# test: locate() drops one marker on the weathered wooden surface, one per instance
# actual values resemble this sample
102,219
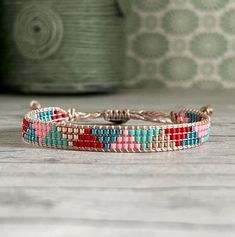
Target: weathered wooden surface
45,192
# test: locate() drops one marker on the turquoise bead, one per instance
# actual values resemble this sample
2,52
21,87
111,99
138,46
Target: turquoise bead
106,131
100,131
143,145
137,132
144,132
113,131
107,146
131,132
100,139
150,132
144,139
53,128
65,143
58,135
138,139
149,138
106,139
113,139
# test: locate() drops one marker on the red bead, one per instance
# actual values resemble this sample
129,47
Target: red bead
182,136
81,137
64,115
26,123
99,145
87,137
172,130
81,144
182,130
93,144
177,137
177,130
167,131
93,138
172,137
87,131
177,143
187,129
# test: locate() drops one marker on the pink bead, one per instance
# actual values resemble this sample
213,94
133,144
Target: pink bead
44,134
40,139
119,139
137,146
131,146
131,139
119,146
202,140
125,139
113,146
125,132
125,146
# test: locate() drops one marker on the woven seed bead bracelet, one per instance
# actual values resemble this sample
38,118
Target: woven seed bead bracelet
56,128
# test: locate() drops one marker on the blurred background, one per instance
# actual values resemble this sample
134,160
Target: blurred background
90,46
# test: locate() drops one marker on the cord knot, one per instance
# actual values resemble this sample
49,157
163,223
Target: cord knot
117,116
72,114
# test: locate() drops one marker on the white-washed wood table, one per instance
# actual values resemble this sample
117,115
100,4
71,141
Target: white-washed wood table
46,192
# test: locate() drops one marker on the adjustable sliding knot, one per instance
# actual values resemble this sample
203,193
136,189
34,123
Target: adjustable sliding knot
117,116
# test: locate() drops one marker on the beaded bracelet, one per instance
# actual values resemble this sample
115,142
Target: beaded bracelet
56,128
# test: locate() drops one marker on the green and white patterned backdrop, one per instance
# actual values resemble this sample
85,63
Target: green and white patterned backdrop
181,43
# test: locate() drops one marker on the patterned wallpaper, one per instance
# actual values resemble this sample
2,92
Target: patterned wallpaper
181,43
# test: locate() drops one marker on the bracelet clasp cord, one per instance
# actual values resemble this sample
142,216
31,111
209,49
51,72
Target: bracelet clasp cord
122,116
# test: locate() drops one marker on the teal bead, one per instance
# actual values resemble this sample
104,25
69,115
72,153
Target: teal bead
144,132
54,129
94,131
131,132
100,139
65,143
106,139
49,135
59,142
150,132
45,140
107,146
144,139
58,135
143,145
54,142
100,131
138,139
113,139
149,138
54,135
119,131
113,131
106,131
137,132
